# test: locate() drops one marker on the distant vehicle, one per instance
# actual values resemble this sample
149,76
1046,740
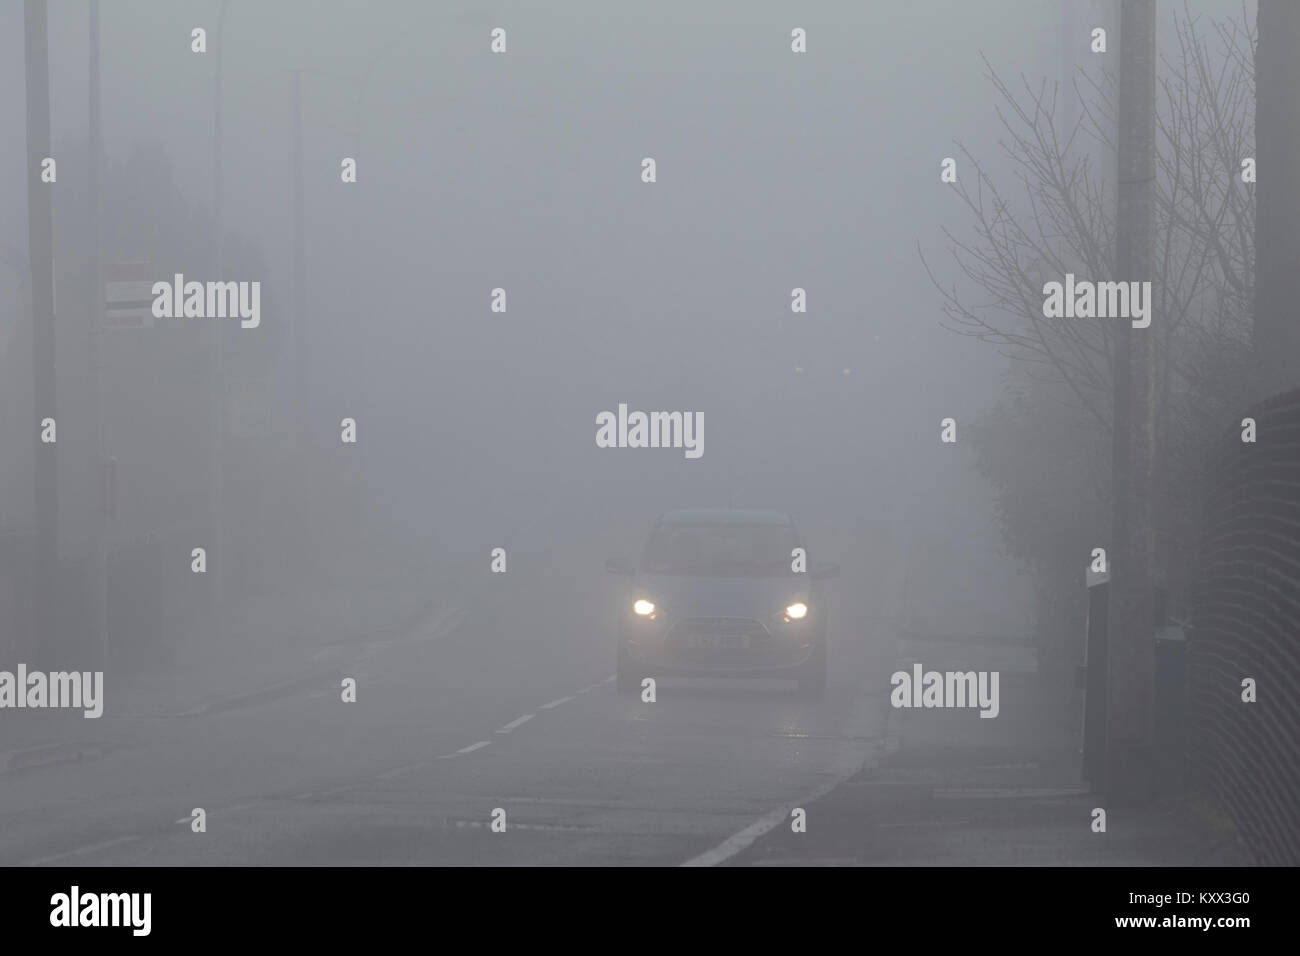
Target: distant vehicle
716,594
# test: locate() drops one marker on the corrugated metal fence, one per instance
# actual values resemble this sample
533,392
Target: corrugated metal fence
1246,624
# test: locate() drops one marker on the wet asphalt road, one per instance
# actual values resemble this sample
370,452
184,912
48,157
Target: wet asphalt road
513,708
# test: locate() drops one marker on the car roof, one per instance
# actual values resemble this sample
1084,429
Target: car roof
724,516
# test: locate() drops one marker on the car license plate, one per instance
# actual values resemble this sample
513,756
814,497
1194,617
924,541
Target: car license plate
718,642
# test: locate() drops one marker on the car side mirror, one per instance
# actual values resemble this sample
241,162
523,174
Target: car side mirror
825,572
619,566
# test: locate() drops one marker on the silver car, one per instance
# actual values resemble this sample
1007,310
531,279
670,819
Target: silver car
723,593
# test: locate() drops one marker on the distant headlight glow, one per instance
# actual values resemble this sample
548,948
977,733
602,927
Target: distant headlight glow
796,612
642,607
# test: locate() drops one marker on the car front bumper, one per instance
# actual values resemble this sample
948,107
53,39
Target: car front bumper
770,652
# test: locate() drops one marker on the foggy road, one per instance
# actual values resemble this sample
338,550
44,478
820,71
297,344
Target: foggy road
388,389
498,712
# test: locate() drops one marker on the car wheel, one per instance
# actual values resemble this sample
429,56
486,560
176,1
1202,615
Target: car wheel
812,682
625,682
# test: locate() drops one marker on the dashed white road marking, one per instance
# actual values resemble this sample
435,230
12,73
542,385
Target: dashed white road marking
373,648
555,703
589,688
82,851
235,808
390,774
610,679
467,750
515,723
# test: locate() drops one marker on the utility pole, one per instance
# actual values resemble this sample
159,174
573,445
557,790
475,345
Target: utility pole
1071,38
1078,20
1131,650
95,313
40,244
217,368
300,311
362,340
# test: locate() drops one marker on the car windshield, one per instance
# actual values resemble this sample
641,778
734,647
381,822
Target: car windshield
719,548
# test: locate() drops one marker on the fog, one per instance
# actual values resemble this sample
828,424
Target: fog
475,427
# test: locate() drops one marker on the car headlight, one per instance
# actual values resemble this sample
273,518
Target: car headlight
796,612
643,608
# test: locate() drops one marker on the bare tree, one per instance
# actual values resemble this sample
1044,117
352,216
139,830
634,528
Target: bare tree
1053,214
1056,216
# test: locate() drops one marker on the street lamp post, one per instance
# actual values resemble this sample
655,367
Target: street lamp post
217,363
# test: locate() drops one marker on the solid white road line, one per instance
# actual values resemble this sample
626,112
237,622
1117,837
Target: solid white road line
515,723
737,842
850,761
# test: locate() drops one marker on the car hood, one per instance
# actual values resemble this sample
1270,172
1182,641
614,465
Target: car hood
679,596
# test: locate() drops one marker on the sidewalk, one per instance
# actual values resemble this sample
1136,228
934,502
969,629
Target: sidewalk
960,790
274,643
